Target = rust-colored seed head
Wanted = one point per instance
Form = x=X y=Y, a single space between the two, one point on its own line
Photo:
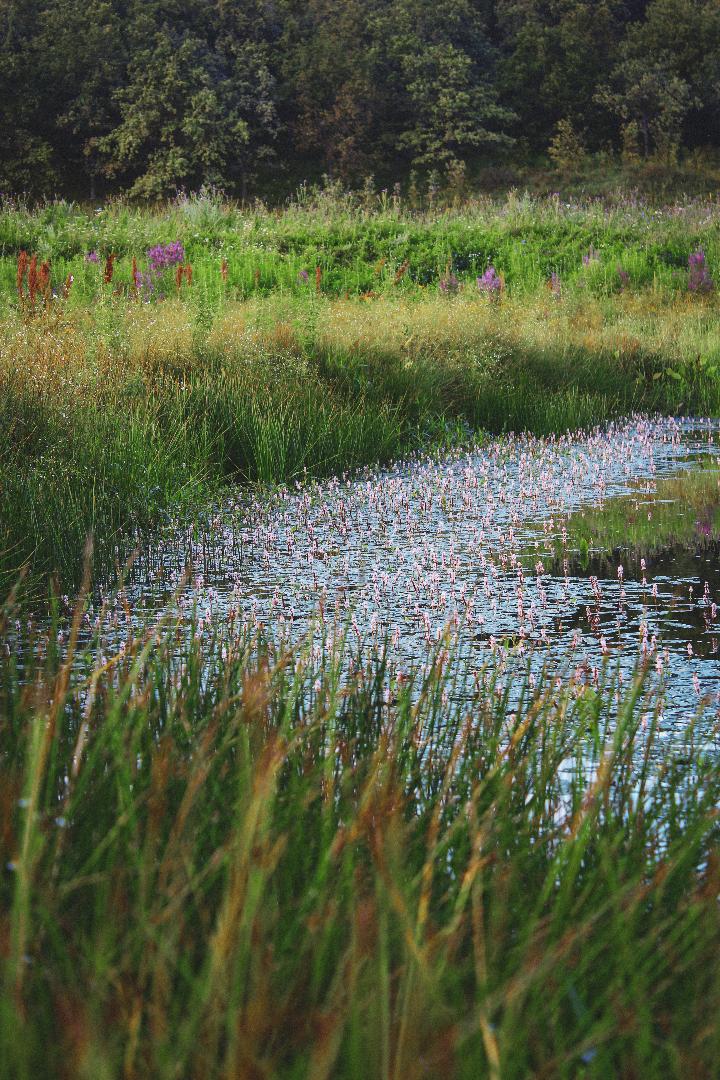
x=44 y=279
x=402 y=270
x=318 y=278
x=135 y=276
x=188 y=274
x=109 y=269
x=32 y=279
x=68 y=285
x=179 y=275
x=224 y=269
x=21 y=271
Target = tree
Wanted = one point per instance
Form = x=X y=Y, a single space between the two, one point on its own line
x=334 y=87
x=555 y=54
x=443 y=88
x=668 y=68
x=651 y=102
x=197 y=109
x=25 y=149
x=82 y=91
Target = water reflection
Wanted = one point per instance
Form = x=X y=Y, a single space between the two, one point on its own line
x=468 y=544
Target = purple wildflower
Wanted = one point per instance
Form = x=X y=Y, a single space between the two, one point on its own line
x=490 y=283
x=623 y=276
x=449 y=284
x=554 y=284
x=92 y=257
x=165 y=255
x=303 y=276
x=699 y=279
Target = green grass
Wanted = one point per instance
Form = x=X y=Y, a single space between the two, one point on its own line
x=360 y=245
x=228 y=862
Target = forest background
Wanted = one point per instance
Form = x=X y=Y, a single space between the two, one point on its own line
x=258 y=96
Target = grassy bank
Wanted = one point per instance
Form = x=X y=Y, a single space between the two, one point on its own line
x=224 y=862
x=115 y=416
x=366 y=244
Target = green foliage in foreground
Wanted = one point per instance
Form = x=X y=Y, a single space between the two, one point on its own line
x=223 y=862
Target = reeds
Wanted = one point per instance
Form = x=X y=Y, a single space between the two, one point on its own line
x=225 y=861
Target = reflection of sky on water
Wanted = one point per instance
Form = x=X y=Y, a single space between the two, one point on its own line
x=406 y=552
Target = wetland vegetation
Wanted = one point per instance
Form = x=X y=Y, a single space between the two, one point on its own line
x=379 y=733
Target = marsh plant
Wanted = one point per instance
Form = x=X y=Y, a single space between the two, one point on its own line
x=222 y=860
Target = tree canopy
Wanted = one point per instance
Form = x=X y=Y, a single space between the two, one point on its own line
x=150 y=97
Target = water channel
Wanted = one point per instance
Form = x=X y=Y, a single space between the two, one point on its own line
x=478 y=547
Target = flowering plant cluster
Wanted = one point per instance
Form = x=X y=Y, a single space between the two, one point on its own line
x=164 y=256
x=490 y=283
x=699 y=279
x=449 y=284
x=592 y=256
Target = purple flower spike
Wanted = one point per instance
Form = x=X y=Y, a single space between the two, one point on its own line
x=165 y=255
x=699 y=279
x=490 y=283
x=92 y=257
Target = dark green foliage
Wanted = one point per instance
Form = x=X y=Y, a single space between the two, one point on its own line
x=149 y=97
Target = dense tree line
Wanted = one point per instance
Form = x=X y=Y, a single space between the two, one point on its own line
x=149 y=95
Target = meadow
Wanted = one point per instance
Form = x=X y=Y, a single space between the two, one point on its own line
x=231 y=853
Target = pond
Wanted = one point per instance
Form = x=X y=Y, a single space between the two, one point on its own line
x=586 y=553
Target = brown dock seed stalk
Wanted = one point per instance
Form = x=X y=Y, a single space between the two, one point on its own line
x=401 y=271
x=32 y=280
x=21 y=271
x=178 y=276
x=109 y=269
x=318 y=278
x=224 y=270
x=188 y=274
x=43 y=279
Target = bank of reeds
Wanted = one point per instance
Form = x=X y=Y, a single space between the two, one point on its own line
x=219 y=860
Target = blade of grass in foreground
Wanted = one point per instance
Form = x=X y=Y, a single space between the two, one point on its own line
x=220 y=860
